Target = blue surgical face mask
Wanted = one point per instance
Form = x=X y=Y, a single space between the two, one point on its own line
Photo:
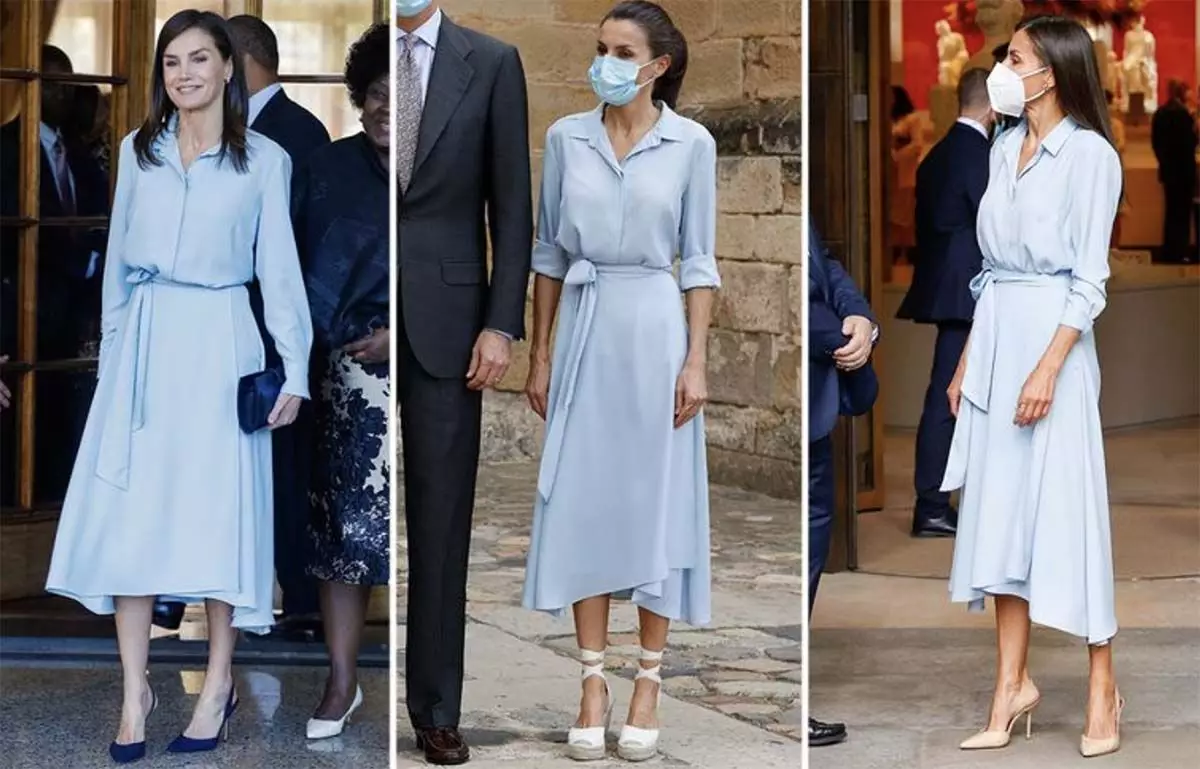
x=615 y=80
x=407 y=9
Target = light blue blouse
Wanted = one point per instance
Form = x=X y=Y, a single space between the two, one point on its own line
x=1056 y=216
x=212 y=227
x=660 y=202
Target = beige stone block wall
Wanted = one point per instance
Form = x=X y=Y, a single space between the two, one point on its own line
x=744 y=84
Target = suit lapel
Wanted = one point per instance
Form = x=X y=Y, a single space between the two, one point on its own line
x=448 y=81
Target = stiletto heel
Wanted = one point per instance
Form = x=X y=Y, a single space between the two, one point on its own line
x=184 y=744
x=133 y=751
x=587 y=743
x=997 y=738
x=322 y=728
x=635 y=743
x=1092 y=748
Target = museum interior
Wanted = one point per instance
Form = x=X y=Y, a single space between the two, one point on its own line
x=1150 y=398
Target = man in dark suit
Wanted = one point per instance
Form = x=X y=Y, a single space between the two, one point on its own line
x=462 y=140
x=1173 y=135
x=950 y=183
x=830 y=289
x=69 y=269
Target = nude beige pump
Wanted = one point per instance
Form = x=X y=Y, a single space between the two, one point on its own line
x=990 y=740
x=1092 y=748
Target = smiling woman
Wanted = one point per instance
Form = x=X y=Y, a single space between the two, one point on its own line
x=169 y=497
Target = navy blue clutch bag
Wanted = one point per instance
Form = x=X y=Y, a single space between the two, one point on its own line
x=256 y=397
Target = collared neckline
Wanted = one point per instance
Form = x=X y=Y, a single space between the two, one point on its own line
x=1054 y=142
x=258 y=102
x=48 y=136
x=975 y=124
x=170 y=137
x=428 y=33
x=668 y=127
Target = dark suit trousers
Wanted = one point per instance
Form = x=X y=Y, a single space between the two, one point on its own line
x=291 y=459
x=440 y=429
x=1177 y=202
x=936 y=428
x=820 y=511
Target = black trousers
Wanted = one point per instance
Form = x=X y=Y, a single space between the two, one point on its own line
x=1177 y=225
x=936 y=428
x=440 y=429
x=291 y=459
x=820 y=512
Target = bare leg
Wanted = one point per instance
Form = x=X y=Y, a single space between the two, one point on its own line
x=643 y=707
x=133 y=643
x=591 y=632
x=218 y=678
x=1102 y=694
x=344 y=614
x=1012 y=674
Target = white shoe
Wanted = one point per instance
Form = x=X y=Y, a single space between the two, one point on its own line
x=587 y=743
x=321 y=729
x=636 y=744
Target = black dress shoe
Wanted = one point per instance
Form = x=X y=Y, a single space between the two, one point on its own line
x=443 y=746
x=940 y=524
x=820 y=733
x=168 y=614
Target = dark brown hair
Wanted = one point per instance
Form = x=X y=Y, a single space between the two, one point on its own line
x=236 y=99
x=665 y=40
x=1065 y=47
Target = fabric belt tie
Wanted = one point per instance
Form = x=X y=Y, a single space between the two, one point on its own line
x=126 y=412
x=581 y=277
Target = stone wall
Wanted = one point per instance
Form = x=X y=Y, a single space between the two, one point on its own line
x=744 y=84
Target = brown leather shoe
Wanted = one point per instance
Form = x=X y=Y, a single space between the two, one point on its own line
x=443 y=745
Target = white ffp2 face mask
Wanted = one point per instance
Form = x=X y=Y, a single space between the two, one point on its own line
x=1006 y=89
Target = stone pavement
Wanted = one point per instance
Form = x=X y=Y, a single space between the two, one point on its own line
x=731 y=692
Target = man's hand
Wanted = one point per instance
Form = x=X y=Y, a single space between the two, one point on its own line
x=855 y=354
x=489 y=360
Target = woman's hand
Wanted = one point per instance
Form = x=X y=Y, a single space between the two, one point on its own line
x=537 y=384
x=954 y=391
x=285 y=411
x=371 y=349
x=1036 y=396
x=691 y=392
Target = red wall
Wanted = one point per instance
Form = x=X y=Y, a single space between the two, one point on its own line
x=1173 y=23
x=920 y=47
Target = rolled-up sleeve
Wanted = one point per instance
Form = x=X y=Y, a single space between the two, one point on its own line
x=549 y=259
x=1096 y=187
x=698 y=223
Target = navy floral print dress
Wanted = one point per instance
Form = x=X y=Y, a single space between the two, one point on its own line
x=341 y=214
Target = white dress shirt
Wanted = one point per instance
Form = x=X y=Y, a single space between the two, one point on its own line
x=259 y=100
x=427 y=39
x=976 y=125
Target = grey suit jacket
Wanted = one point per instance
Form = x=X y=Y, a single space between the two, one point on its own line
x=470 y=179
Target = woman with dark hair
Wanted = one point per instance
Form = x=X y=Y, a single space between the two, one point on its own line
x=170 y=496
x=341 y=220
x=622 y=505
x=1028 y=450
